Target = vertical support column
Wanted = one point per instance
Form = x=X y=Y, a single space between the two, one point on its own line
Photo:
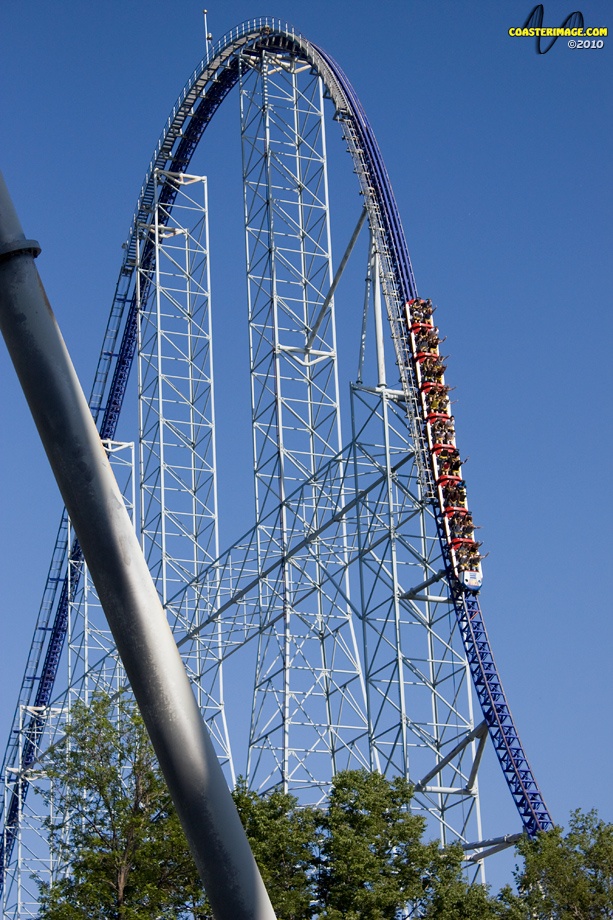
x=179 y=514
x=26 y=831
x=308 y=718
x=418 y=686
x=417 y=682
x=93 y=665
x=379 y=340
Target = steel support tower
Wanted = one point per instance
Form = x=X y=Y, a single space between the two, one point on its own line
x=178 y=484
x=308 y=717
x=88 y=665
x=339 y=601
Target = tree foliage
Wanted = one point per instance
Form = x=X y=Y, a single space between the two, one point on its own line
x=371 y=859
x=112 y=824
x=450 y=896
x=123 y=855
x=565 y=877
x=281 y=837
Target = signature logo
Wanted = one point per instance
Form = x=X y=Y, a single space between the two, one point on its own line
x=535 y=21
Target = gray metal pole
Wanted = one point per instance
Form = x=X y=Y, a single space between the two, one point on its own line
x=125 y=588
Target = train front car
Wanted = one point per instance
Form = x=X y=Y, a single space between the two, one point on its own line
x=459 y=528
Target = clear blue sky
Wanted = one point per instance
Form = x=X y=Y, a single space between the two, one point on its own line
x=501 y=164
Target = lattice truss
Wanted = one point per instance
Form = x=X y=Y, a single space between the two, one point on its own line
x=177 y=430
x=358 y=663
x=32 y=859
x=90 y=665
x=301 y=716
x=337 y=596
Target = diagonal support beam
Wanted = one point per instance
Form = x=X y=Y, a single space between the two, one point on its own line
x=479 y=732
x=413 y=594
x=123 y=582
x=489 y=847
x=336 y=279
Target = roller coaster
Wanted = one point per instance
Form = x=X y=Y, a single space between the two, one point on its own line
x=354 y=597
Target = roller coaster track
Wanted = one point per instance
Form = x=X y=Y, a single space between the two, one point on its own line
x=204 y=92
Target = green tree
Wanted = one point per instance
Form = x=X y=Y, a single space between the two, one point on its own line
x=282 y=837
x=118 y=835
x=371 y=860
x=375 y=865
x=124 y=856
x=448 y=895
x=565 y=877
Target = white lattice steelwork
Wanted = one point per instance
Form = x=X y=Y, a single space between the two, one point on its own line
x=308 y=716
x=359 y=661
x=337 y=594
x=33 y=861
x=89 y=665
x=92 y=662
x=418 y=685
x=177 y=429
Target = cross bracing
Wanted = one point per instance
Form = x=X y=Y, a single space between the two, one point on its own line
x=340 y=592
x=90 y=665
x=178 y=485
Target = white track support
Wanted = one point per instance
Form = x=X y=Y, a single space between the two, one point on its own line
x=90 y=665
x=307 y=719
x=348 y=537
x=418 y=685
x=92 y=661
x=177 y=429
x=33 y=858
